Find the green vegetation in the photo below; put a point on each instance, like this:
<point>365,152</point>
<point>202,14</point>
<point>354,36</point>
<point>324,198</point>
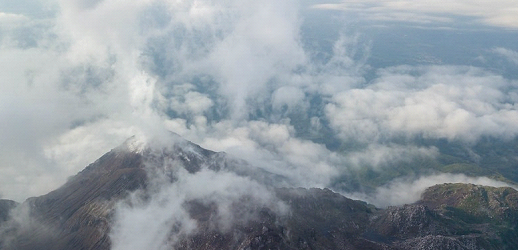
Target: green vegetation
<point>490,210</point>
<point>475,204</point>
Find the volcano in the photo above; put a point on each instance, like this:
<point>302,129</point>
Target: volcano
<point>81,213</point>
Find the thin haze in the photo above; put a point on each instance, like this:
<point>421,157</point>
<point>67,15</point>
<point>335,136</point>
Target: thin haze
<point>79,77</point>
<point>501,13</point>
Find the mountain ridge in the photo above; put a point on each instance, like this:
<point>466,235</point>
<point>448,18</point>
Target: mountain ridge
<point>81,213</point>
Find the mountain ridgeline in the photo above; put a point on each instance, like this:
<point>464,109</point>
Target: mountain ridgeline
<point>81,214</point>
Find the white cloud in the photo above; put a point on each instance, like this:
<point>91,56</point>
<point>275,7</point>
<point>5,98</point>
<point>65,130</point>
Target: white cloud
<point>262,47</point>
<point>104,134</point>
<point>510,55</point>
<point>163,219</point>
<point>455,103</point>
<point>187,101</point>
<point>501,13</point>
<point>87,80</point>
<point>287,95</point>
<point>55,102</point>
<point>10,19</point>
<point>105,70</point>
<point>274,148</point>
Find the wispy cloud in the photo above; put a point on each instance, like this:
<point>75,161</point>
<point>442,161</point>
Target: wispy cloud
<point>510,55</point>
<point>501,13</point>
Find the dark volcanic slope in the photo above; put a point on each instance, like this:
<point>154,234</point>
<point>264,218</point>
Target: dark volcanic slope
<point>321,219</point>
<point>79,214</point>
<point>318,219</point>
<point>5,208</point>
<point>76,214</point>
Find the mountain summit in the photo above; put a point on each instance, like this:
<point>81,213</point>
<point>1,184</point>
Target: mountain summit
<point>247,213</point>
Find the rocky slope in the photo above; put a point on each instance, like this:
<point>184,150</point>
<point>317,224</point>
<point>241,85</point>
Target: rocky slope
<point>80,214</point>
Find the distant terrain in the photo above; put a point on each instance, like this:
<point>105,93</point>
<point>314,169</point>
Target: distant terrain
<point>489,157</point>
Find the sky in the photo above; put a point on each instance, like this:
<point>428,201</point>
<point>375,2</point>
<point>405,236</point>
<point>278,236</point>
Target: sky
<point>277,83</point>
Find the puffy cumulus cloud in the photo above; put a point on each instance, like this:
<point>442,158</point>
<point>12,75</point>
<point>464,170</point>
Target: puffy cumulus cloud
<point>446,102</point>
<point>163,219</point>
<point>496,13</point>
<point>406,191</point>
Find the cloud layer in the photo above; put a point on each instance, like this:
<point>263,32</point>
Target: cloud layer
<point>500,13</point>
<point>234,76</point>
